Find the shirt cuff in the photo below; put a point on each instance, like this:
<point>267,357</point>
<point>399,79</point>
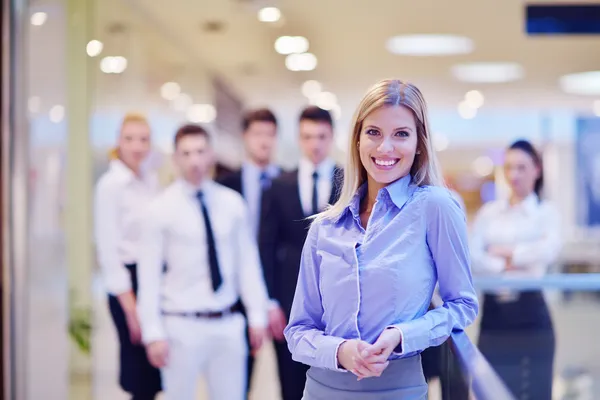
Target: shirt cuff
<point>327,352</point>
<point>257,319</point>
<point>119,284</point>
<point>412,337</point>
<point>399,350</point>
<point>273,304</point>
<point>153,333</point>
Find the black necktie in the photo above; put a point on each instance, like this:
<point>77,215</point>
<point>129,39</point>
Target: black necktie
<point>315,193</point>
<point>215,272</point>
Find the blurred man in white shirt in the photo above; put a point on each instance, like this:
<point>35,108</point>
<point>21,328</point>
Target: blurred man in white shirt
<point>202,231</point>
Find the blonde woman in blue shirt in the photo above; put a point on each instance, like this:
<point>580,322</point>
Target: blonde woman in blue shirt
<point>371,262</point>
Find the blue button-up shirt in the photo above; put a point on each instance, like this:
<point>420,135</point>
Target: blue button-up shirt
<point>354,283</point>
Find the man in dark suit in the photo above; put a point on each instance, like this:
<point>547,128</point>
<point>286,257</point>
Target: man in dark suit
<point>259,129</point>
<point>292,198</point>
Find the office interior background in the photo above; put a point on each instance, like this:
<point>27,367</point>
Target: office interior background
<point>492,72</point>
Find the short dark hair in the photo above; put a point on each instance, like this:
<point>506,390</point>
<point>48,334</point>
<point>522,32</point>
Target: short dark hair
<point>316,114</point>
<point>258,115</point>
<point>528,148</point>
<point>190,130</point>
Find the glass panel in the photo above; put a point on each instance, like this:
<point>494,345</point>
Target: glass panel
<point>47,366</point>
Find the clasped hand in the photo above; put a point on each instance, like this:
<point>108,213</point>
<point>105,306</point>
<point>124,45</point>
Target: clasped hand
<point>368,360</point>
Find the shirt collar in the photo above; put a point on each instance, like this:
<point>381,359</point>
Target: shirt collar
<point>324,169</point>
<point>529,204</point>
<point>272,170</point>
<point>398,192</point>
<point>193,190</point>
<point>119,167</point>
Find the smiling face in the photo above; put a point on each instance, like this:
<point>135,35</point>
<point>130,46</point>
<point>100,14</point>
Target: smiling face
<point>388,144</point>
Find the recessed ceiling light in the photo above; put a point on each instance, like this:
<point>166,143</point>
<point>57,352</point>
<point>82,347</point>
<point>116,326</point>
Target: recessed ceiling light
<point>301,62</point>
<point>596,108</point>
<point>94,48</point>
<point>429,45</point>
<point>269,14</point>
<point>170,90</point>
<point>583,83</point>
<point>201,113</point>
<point>488,72</point>
<point>38,18</point>
<point>291,44</point>
<point>311,88</point>
<point>474,98</point>
<point>325,100</point>
<point>57,114</point>
<point>483,166</point>
<point>466,111</point>
<point>440,141</point>
<point>113,65</point>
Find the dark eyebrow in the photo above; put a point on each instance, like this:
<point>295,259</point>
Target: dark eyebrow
<point>407,128</point>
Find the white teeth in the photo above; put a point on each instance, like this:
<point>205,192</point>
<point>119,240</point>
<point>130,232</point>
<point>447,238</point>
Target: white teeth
<point>385,163</point>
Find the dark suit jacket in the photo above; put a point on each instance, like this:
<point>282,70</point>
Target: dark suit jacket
<point>282,234</point>
<point>232,180</point>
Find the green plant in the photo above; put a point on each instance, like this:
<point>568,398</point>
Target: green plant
<point>80,329</point>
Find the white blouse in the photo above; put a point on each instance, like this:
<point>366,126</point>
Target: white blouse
<point>531,227</point>
<point>120,200</point>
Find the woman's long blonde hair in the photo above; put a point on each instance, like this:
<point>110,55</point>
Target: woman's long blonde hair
<point>425,169</point>
<point>113,154</point>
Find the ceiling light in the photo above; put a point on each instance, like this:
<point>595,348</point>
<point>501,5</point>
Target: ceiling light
<point>596,108</point>
<point>33,104</point>
<point>94,48</point>
<point>182,102</point>
<point>170,90</point>
<point>269,14</point>
<point>113,65</point>
<point>57,114</point>
<point>466,111</point>
<point>201,113</point>
<point>429,45</point>
<point>584,83</point>
<point>291,44</point>
<point>483,166</point>
<point>311,88</point>
<point>488,72</point>
<point>440,142</point>
<point>474,98</point>
<point>301,62</point>
<point>325,100</point>
<point>38,18</point>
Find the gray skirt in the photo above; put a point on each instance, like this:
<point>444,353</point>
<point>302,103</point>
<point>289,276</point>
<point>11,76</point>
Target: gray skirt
<point>403,379</point>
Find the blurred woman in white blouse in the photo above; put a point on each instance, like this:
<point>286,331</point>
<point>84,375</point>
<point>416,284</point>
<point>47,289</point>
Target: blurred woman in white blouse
<point>121,196</point>
<point>518,237</point>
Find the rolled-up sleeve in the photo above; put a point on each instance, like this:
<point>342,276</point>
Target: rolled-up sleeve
<point>304,333</point>
<point>107,236</point>
<point>448,243</point>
